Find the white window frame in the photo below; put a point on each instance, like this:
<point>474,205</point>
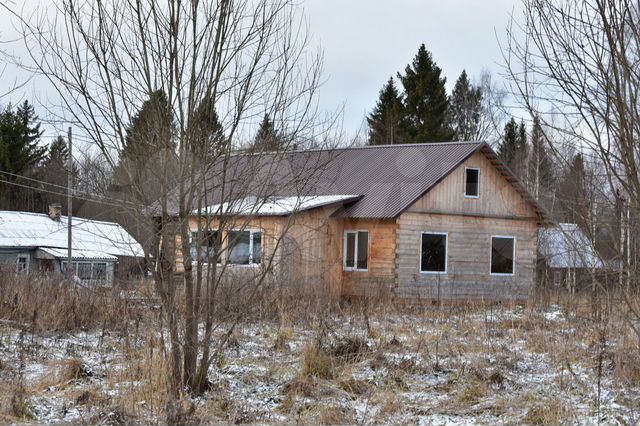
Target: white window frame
<point>515,245</point>
<point>251,231</point>
<point>26,264</point>
<point>465,182</point>
<point>355,268</point>
<point>446,253</point>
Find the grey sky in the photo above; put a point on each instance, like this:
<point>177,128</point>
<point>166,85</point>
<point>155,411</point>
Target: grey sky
<point>367,41</point>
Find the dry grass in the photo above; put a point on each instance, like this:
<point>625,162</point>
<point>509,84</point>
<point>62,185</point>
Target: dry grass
<point>39,303</point>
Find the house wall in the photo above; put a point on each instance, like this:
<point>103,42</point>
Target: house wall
<point>497,198</point>
<point>380,277</point>
<point>470,223</point>
<point>469,253</point>
<point>9,257</point>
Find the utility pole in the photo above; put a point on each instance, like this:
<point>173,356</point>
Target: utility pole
<point>69,206</point>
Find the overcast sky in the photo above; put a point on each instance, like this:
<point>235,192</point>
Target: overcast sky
<point>367,41</point>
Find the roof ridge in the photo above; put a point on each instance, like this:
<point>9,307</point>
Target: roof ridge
<point>347,148</point>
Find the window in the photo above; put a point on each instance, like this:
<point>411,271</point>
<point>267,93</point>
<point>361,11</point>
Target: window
<point>22,263</point>
<point>503,253</point>
<point>100,271</point>
<point>208,243</point>
<point>472,183</point>
<point>245,247</point>
<point>84,271</point>
<point>87,270</point>
<point>433,256</point>
<point>356,250</point>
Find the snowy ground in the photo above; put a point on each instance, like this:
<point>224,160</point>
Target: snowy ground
<point>486,366</point>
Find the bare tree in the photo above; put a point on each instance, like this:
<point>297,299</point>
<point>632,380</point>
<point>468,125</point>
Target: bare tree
<point>232,58</point>
<point>580,60</point>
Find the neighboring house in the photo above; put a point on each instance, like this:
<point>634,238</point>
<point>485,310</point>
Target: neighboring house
<point>567,255</point>
<point>423,221</point>
<point>32,242</point>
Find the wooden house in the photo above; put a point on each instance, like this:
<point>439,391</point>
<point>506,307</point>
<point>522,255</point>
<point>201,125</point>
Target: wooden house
<point>423,221</point>
<point>37,243</point>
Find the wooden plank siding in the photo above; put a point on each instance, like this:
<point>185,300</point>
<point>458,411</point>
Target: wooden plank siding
<point>469,253</point>
<point>469,223</point>
<point>380,276</point>
<point>497,198</point>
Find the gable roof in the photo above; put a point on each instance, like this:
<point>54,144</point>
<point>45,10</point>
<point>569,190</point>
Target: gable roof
<point>31,230</point>
<point>387,178</point>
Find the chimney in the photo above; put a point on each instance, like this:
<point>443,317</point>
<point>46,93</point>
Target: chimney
<point>55,211</point>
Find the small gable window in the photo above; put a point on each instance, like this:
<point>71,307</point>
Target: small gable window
<point>356,250</point>
<point>472,183</point>
<point>503,255</point>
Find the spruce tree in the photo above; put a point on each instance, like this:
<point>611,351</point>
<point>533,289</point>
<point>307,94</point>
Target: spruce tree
<point>385,121</point>
<point>509,143</point>
<point>426,104</point>
<point>20,150</point>
<point>466,109</point>
<point>541,166</point>
<point>268,138</point>
<point>149,134</point>
<point>207,133</point>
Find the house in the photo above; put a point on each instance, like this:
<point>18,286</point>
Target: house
<point>423,221</point>
<point>101,251</point>
<point>567,255</point>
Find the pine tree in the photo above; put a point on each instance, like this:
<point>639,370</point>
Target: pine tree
<point>466,109</point>
<point>385,121</point>
<point>20,150</point>
<point>426,104</point>
<point>268,138</point>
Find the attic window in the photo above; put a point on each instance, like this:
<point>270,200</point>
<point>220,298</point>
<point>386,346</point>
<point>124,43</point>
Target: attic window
<point>472,183</point>
<point>356,250</point>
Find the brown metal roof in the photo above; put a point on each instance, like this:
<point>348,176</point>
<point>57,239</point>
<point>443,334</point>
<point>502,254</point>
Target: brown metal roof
<point>390,178</point>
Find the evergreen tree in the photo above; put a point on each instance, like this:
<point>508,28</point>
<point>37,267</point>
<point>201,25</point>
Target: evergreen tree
<point>20,151</point>
<point>426,105</point>
<point>509,143</point>
<point>208,137</point>
<point>466,109</point>
<point>268,138</point>
<point>150,129</point>
<point>385,121</point>
<point>541,166</point>
<point>149,134</point>
<point>513,147</point>
<point>573,191</point>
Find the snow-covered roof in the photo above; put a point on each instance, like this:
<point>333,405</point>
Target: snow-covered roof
<point>567,247</point>
<point>23,229</point>
<point>277,206</point>
<point>61,253</point>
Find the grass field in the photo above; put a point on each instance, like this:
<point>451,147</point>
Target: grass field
<point>543,363</point>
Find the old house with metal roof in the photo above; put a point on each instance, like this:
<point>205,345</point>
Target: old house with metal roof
<point>423,221</point>
<point>567,256</point>
<point>32,242</point>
